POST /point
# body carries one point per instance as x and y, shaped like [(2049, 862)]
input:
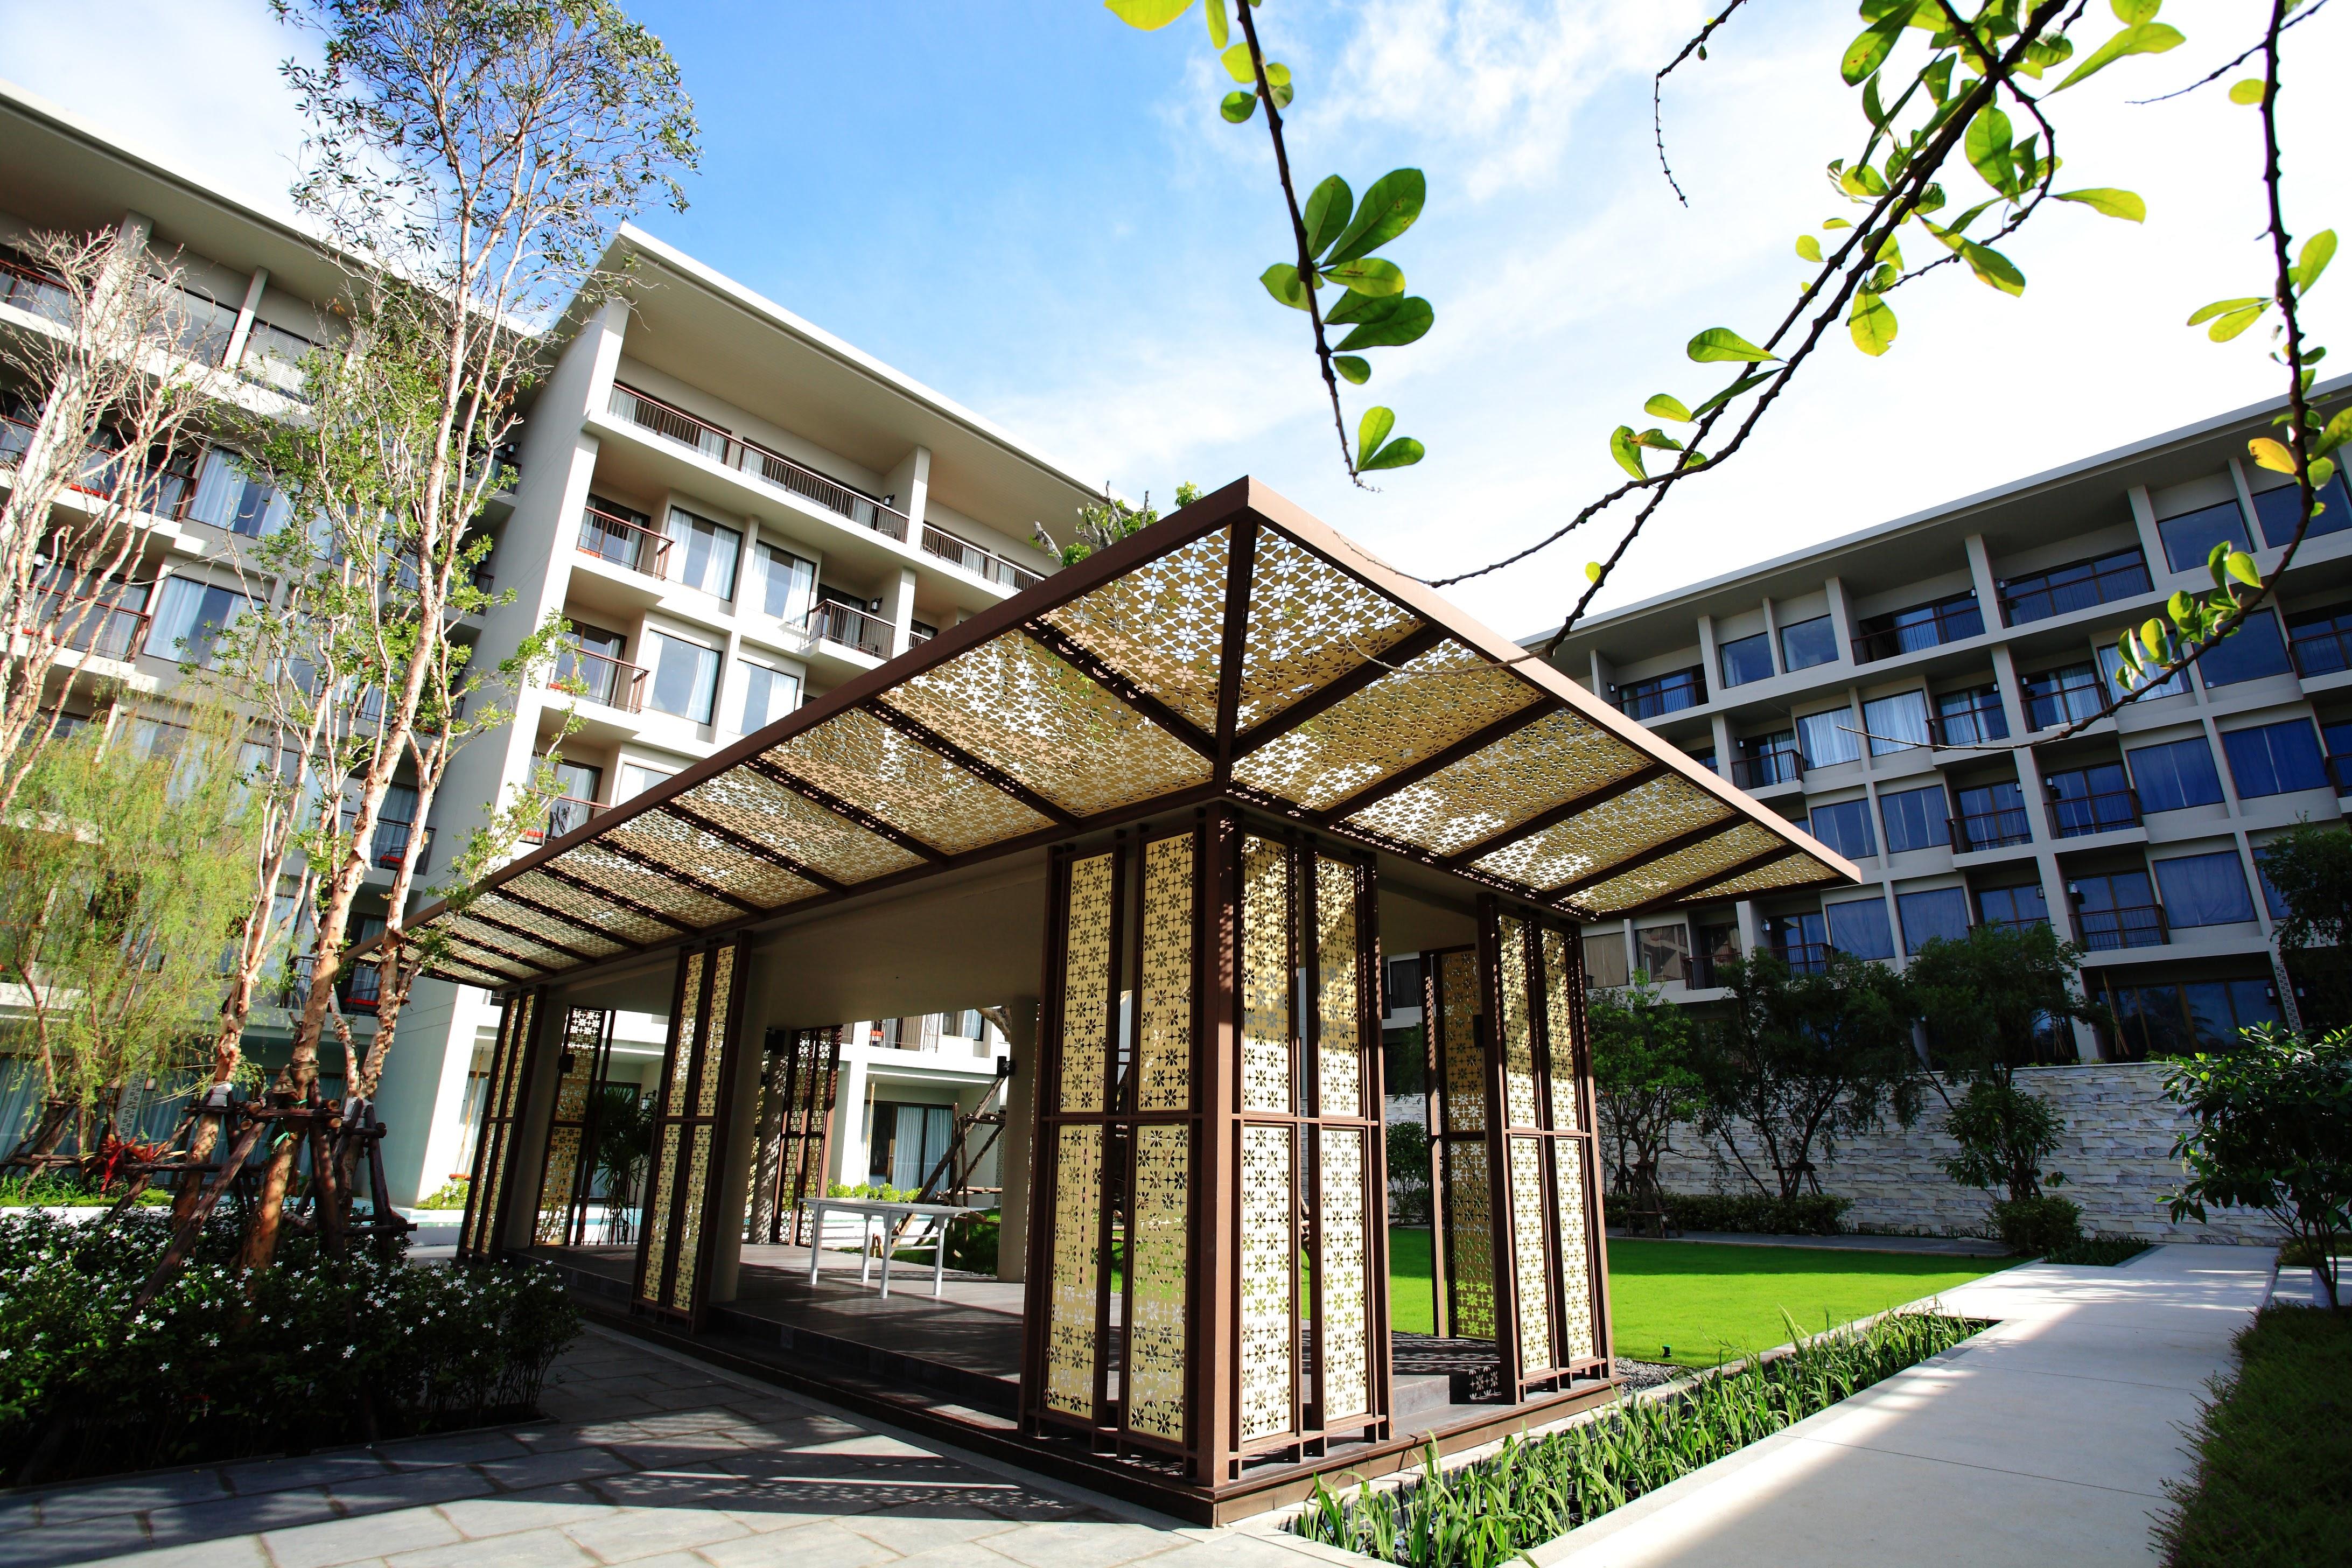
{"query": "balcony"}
[(15, 435), (2339, 772), (850, 628), (2080, 586), (1766, 769), (1921, 626), (98, 627), (980, 564), (390, 845), (35, 291), (623, 543), (2133, 925), (1661, 694), (2105, 811), (600, 678), (1997, 829), (564, 814), (1802, 957), (771, 468), (2321, 650)]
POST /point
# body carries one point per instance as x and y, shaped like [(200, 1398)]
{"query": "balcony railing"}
[(2321, 651), (851, 628), (600, 678), (15, 435), (623, 543), (2340, 770), (2133, 925), (33, 290), (1802, 957), (1975, 830), (98, 629), (2104, 811), (772, 468), (1941, 624), (1767, 768), (564, 814), (392, 843), (2064, 590), (979, 563)]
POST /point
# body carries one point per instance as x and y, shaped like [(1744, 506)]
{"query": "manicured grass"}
[(1711, 1302)]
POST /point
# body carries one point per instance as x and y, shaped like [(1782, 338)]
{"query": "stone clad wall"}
[(2115, 1152)]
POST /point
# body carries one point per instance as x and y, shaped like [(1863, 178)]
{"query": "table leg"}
[(888, 1230), (940, 1260), (864, 1249), (817, 1238)]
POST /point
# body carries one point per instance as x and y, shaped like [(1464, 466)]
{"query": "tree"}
[(2005, 1136), (2272, 1130), (2311, 869), (1105, 522), (1802, 1060), (1643, 1081)]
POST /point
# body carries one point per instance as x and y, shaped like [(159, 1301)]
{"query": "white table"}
[(868, 1210)]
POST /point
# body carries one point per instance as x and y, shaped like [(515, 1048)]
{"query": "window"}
[(2273, 900), (190, 615), (1604, 960), (228, 498), (635, 779), (702, 553), (394, 821), (1402, 993), (2177, 774), (1915, 819), (2077, 586), (2275, 510), (2337, 737), (1920, 626), (2096, 799), (1746, 659), (2116, 911), (596, 670), (1992, 816), (2322, 641), (2061, 696), (2274, 759), (580, 784), (2015, 908), (1767, 760), (2204, 889), (787, 584), (684, 676), (903, 1142), (2189, 538), (622, 535), (2161, 1020), (1845, 828), (1859, 927), (1669, 693), (1896, 724), (1937, 915), (768, 696), (1971, 717), (1704, 757), (1798, 941), (2110, 666), (1807, 643), (1828, 738), (1717, 945), (1663, 952), (2252, 651)]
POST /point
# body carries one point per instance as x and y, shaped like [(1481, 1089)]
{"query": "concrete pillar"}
[(910, 482), (1014, 1147), (735, 1156), (1980, 574), (2150, 540), (899, 609), (1841, 618), (245, 313), (849, 1109), (1709, 662)]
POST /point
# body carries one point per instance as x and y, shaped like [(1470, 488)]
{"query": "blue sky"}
[(1037, 211)]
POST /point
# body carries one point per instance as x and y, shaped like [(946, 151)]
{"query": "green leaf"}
[(1870, 49), (2181, 609), (2132, 11), (2249, 92), (1368, 275), (1149, 15), (1281, 281), (2044, 53), (1723, 344), (1872, 324), (1666, 405), (1623, 447), (1734, 390), (1238, 106), (1219, 34), (1372, 429), (1987, 149), (1405, 324), (2142, 39), (1657, 441), (1329, 207), (2128, 652), (2240, 566), (1837, 223), (1387, 210), (2236, 321), (1809, 248), (2152, 638), (1356, 370), (2271, 454), (1402, 453), (2322, 470), (2337, 431), (1237, 64), (1992, 268), (1938, 78), (2223, 307), (2318, 252), (2123, 204), (1277, 82), (1592, 571), (1370, 309)]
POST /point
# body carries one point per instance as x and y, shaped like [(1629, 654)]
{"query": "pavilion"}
[(1172, 803)]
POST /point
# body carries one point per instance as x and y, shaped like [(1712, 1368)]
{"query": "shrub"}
[(1754, 1213), (1408, 1160), (325, 1352), (2004, 1134), (451, 1195), (972, 1243), (2104, 1251), (2031, 1227)]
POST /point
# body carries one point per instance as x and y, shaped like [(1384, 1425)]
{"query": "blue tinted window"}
[(1859, 927), (1973, 717), (2323, 642), (1748, 658), (2016, 906), (1915, 819), (2275, 510), (2204, 889), (2174, 775), (1828, 737), (1807, 643), (2275, 759), (2253, 650), (2190, 538), (2273, 900), (1938, 913), (1845, 828)]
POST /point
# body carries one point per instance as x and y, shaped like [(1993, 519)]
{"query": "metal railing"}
[(392, 843), (2339, 769), (563, 814), (101, 630), (1767, 768), (1802, 957), (623, 543), (982, 563), (1662, 694), (2318, 652), (272, 357), (1995, 829), (772, 468), (1941, 625), (2132, 925), (2062, 590), (2022, 924), (2104, 811), (16, 437), (35, 291), (600, 678), (851, 628)]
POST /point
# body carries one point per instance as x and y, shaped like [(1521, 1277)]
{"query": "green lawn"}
[(1711, 1301)]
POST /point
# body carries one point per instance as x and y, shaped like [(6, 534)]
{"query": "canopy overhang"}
[(1236, 650)]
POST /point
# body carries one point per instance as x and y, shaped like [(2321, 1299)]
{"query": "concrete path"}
[(1932, 1245)]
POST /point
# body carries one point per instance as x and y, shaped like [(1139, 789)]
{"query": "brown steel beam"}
[(1119, 684), (1241, 568), (751, 845), (702, 885), (1551, 815), (1438, 762), (1650, 856), (1404, 650), (1692, 893), (988, 773), (529, 966), (618, 901), (495, 923), (840, 807)]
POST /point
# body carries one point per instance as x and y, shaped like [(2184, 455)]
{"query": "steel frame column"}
[(482, 1233), (676, 1244)]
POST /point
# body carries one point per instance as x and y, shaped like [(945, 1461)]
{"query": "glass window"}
[(2061, 696), (1993, 816), (1859, 927), (2096, 799), (2204, 889), (2111, 666), (2338, 739), (2274, 759), (768, 696), (1663, 952), (702, 553), (230, 499), (1704, 757), (2116, 911), (2203, 1015), (2252, 651), (1604, 959), (1920, 626), (1746, 659), (2189, 538), (1896, 724), (2176, 774), (1937, 913), (1915, 819), (2077, 586), (635, 779), (685, 676), (2322, 641), (2273, 900), (1767, 760), (1669, 693), (2016, 906), (2275, 510), (1828, 737), (1973, 717), (1845, 827), (1805, 643), (190, 615), (788, 584)]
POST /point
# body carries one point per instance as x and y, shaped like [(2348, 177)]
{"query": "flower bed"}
[(1490, 1511), (324, 1352)]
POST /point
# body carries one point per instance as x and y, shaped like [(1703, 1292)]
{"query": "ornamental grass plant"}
[(317, 1351), (1492, 1510)]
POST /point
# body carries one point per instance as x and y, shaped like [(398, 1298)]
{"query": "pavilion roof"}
[(1237, 649)]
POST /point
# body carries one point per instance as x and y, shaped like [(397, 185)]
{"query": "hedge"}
[(1819, 1214)]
